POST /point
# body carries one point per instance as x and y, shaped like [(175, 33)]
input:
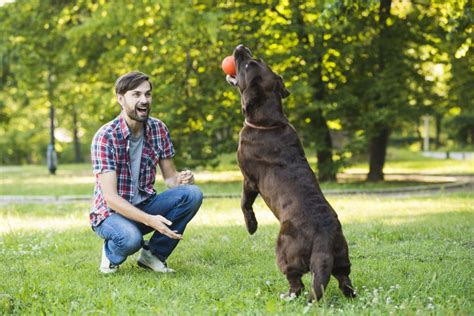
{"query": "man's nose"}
[(143, 99)]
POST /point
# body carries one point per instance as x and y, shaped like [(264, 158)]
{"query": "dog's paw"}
[(251, 222)]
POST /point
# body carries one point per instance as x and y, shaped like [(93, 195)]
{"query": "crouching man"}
[(125, 153)]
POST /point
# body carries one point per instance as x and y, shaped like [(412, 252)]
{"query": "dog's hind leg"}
[(289, 261), (296, 285), (321, 267), (342, 268), (345, 284)]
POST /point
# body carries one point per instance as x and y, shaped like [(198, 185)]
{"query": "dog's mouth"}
[(242, 55)]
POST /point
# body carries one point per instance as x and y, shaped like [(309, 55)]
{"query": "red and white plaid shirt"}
[(110, 152)]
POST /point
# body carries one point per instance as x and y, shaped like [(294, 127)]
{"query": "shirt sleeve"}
[(102, 155), (165, 143)]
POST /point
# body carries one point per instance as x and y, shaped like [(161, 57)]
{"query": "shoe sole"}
[(144, 266), (107, 271)]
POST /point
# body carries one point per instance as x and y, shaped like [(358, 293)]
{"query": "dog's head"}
[(255, 80)]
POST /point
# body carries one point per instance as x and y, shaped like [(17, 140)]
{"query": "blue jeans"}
[(123, 237)]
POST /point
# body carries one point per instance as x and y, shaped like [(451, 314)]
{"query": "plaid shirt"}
[(110, 152)]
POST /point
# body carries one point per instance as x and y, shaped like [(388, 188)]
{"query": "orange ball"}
[(228, 65)]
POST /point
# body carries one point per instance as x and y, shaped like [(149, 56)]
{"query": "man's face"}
[(136, 103)]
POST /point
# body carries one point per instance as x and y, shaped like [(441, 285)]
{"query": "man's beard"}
[(138, 115)]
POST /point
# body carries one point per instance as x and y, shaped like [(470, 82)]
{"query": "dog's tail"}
[(321, 265)]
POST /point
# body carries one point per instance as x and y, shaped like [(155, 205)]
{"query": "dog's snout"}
[(241, 49)]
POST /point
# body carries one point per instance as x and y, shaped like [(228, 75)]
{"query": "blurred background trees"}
[(362, 73)]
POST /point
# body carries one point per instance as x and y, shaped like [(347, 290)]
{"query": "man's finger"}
[(174, 235), (164, 220)]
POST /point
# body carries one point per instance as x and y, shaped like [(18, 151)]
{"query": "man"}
[(125, 153)]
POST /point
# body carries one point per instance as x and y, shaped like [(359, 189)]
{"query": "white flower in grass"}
[(430, 306), (307, 308), (287, 297), (267, 282)]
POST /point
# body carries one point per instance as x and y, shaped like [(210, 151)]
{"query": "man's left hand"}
[(185, 177)]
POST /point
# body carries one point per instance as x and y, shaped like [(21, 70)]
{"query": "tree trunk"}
[(325, 165), (327, 171), (377, 153), (378, 141), (77, 142), (438, 131)]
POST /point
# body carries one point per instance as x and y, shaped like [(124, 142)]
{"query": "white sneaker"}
[(105, 265), (148, 261)]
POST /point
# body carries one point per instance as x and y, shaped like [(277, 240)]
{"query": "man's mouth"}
[(143, 110)]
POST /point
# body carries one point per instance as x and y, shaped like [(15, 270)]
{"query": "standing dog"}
[(274, 165)]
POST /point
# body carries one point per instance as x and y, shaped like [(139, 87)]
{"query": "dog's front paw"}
[(251, 222)]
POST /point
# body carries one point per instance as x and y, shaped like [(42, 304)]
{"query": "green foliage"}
[(68, 54)]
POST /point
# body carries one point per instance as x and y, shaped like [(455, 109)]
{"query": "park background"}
[(377, 86)]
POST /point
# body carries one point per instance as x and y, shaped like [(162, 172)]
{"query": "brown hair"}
[(130, 81)]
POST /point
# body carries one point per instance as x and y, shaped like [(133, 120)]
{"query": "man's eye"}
[(136, 95), (148, 95)]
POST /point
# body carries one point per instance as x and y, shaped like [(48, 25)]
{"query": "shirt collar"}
[(126, 130)]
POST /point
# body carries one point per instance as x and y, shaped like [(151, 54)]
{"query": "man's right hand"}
[(108, 183), (160, 223)]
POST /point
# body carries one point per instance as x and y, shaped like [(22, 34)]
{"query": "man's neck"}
[(136, 127)]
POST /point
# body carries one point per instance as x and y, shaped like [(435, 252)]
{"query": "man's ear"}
[(120, 99), (281, 88)]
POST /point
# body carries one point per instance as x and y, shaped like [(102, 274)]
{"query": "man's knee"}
[(193, 195), (130, 241)]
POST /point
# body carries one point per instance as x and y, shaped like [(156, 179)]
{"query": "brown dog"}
[(274, 165)]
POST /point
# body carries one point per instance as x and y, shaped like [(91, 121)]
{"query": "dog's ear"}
[(280, 87)]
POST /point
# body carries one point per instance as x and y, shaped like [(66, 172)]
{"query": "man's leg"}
[(122, 237), (179, 205)]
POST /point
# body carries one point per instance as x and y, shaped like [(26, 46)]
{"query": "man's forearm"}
[(171, 182), (125, 208)]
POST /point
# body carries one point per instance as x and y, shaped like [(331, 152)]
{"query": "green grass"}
[(410, 255), (407, 161), (77, 179)]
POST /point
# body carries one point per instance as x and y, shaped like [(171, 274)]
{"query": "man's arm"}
[(108, 184), (172, 177)]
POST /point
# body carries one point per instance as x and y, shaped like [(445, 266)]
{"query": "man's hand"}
[(185, 177), (159, 223)]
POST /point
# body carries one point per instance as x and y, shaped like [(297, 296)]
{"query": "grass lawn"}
[(409, 256), (77, 179)]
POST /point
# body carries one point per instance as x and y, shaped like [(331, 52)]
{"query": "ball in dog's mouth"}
[(228, 65)]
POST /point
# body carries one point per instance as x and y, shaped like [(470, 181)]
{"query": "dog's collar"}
[(260, 127)]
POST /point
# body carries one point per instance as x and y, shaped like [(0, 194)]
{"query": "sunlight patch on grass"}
[(14, 223), (222, 176), (47, 180), (227, 212), (363, 209)]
